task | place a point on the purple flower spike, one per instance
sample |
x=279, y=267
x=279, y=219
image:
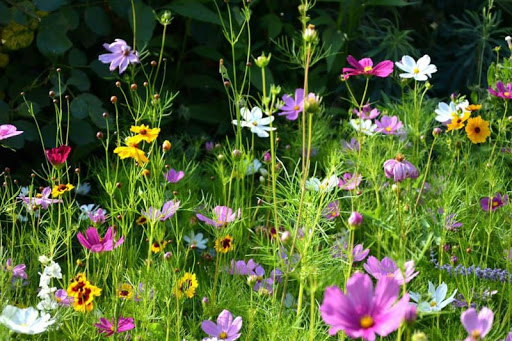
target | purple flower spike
x=225, y=329
x=222, y=216
x=400, y=169
x=388, y=125
x=492, y=203
x=174, y=176
x=388, y=268
x=476, y=324
x=93, y=242
x=120, y=56
x=293, y=106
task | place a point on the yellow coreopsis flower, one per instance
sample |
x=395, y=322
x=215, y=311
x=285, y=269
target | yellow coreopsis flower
x=61, y=189
x=132, y=151
x=458, y=122
x=158, y=246
x=224, y=244
x=125, y=291
x=145, y=133
x=83, y=293
x=478, y=130
x=186, y=286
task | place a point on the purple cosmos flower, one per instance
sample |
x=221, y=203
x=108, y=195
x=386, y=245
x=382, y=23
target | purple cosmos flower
x=120, y=56
x=62, y=298
x=363, y=312
x=18, y=272
x=476, y=324
x=340, y=249
x=222, y=216
x=388, y=125
x=509, y=337
x=451, y=224
x=97, y=216
x=501, y=90
x=208, y=146
x=333, y=210
x=349, y=181
x=293, y=106
x=492, y=203
x=367, y=112
x=173, y=176
x=400, y=169
x=388, y=268
x=42, y=199
x=108, y=327
x=365, y=67
x=225, y=329
x=168, y=210
x=8, y=130
x=93, y=242
x=245, y=269
x=351, y=146
x=355, y=219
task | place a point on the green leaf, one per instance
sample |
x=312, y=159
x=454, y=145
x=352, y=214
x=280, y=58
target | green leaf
x=272, y=24
x=81, y=132
x=5, y=14
x=100, y=69
x=53, y=42
x=146, y=23
x=79, y=79
x=49, y=5
x=195, y=10
x=77, y=57
x=97, y=20
x=85, y=105
x=29, y=130
x=4, y=112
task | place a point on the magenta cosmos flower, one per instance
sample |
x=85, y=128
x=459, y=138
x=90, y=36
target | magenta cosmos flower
x=502, y=91
x=400, y=169
x=226, y=328
x=365, y=67
x=58, y=156
x=367, y=112
x=349, y=181
x=388, y=125
x=222, y=216
x=492, y=203
x=92, y=240
x=109, y=327
x=363, y=312
x=174, y=176
x=292, y=106
x=355, y=219
x=476, y=324
x=42, y=199
x=388, y=268
x=167, y=211
x=8, y=130
x=120, y=56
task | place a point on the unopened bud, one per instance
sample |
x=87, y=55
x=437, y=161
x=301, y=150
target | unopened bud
x=262, y=61
x=166, y=146
x=113, y=99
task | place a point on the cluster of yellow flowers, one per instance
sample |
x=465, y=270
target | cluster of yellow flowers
x=83, y=293
x=131, y=150
x=186, y=286
x=477, y=128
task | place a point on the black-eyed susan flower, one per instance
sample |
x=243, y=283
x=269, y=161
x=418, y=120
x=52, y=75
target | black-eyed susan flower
x=125, y=291
x=141, y=220
x=144, y=133
x=186, y=286
x=131, y=150
x=158, y=246
x=224, y=244
x=478, y=130
x=61, y=189
x=83, y=293
x=458, y=122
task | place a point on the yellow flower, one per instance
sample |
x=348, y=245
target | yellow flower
x=477, y=130
x=458, y=122
x=187, y=286
x=125, y=291
x=158, y=246
x=224, y=244
x=141, y=220
x=145, y=133
x=83, y=293
x=61, y=189
x=474, y=107
x=132, y=151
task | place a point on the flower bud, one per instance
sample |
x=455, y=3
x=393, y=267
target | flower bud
x=310, y=35
x=51, y=93
x=411, y=313
x=133, y=87
x=419, y=336
x=166, y=146
x=262, y=61
x=437, y=131
x=508, y=39
x=165, y=18
x=312, y=103
x=267, y=158
x=355, y=219
x=237, y=154
x=99, y=135
x=113, y=99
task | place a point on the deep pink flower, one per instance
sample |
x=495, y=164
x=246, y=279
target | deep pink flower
x=388, y=268
x=222, y=216
x=365, y=67
x=108, y=327
x=292, y=106
x=225, y=329
x=501, y=90
x=120, y=56
x=400, y=169
x=42, y=199
x=174, y=176
x=8, y=130
x=363, y=312
x=492, y=204
x=367, y=112
x=388, y=125
x=58, y=156
x=476, y=324
x=168, y=210
x=92, y=240
x=349, y=181
x=355, y=219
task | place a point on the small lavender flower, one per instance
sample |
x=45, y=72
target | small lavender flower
x=98, y=216
x=333, y=210
x=350, y=181
x=367, y=112
x=400, y=169
x=351, y=146
x=173, y=176
x=120, y=56
x=388, y=125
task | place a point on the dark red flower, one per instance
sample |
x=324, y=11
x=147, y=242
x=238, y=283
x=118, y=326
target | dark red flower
x=58, y=156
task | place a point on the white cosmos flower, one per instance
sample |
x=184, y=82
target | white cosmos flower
x=446, y=112
x=47, y=304
x=255, y=122
x=25, y=321
x=420, y=70
x=328, y=184
x=44, y=259
x=85, y=209
x=364, y=126
x=46, y=292
x=53, y=270
x=436, y=298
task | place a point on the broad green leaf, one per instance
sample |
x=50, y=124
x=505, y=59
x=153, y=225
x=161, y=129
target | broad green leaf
x=77, y=57
x=81, y=132
x=79, y=79
x=97, y=20
x=272, y=24
x=195, y=10
x=53, y=42
x=4, y=112
x=28, y=128
x=85, y=105
x=49, y=5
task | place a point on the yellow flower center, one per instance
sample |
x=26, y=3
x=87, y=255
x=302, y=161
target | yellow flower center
x=368, y=69
x=255, y=123
x=388, y=129
x=390, y=275
x=506, y=94
x=296, y=107
x=223, y=336
x=433, y=304
x=366, y=321
x=475, y=334
x=416, y=71
x=495, y=203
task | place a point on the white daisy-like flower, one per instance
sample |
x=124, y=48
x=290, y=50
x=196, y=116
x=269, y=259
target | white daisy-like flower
x=44, y=259
x=83, y=189
x=420, y=70
x=196, y=240
x=53, y=270
x=25, y=321
x=436, y=298
x=328, y=184
x=365, y=126
x=254, y=120
x=446, y=112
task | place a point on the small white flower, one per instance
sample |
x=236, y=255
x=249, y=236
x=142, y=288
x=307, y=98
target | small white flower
x=46, y=292
x=253, y=167
x=44, y=259
x=364, y=126
x=25, y=321
x=24, y=191
x=313, y=184
x=420, y=70
x=44, y=281
x=53, y=270
x=436, y=298
x=47, y=303
x=328, y=184
x=83, y=189
x=446, y=112
x=255, y=122
x=85, y=209
x=196, y=240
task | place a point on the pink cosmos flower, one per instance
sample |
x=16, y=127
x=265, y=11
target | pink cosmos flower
x=388, y=268
x=501, y=90
x=367, y=112
x=222, y=216
x=58, y=156
x=92, y=240
x=108, y=327
x=120, y=56
x=245, y=269
x=168, y=210
x=363, y=312
x=388, y=125
x=365, y=67
x=292, y=106
x=225, y=329
x=8, y=130
x=98, y=216
x=18, y=272
x=174, y=176
x=492, y=203
x=333, y=210
x=349, y=181
x=476, y=324
x=42, y=199
x=400, y=169
x=340, y=249
x=62, y=298
x=355, y=219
